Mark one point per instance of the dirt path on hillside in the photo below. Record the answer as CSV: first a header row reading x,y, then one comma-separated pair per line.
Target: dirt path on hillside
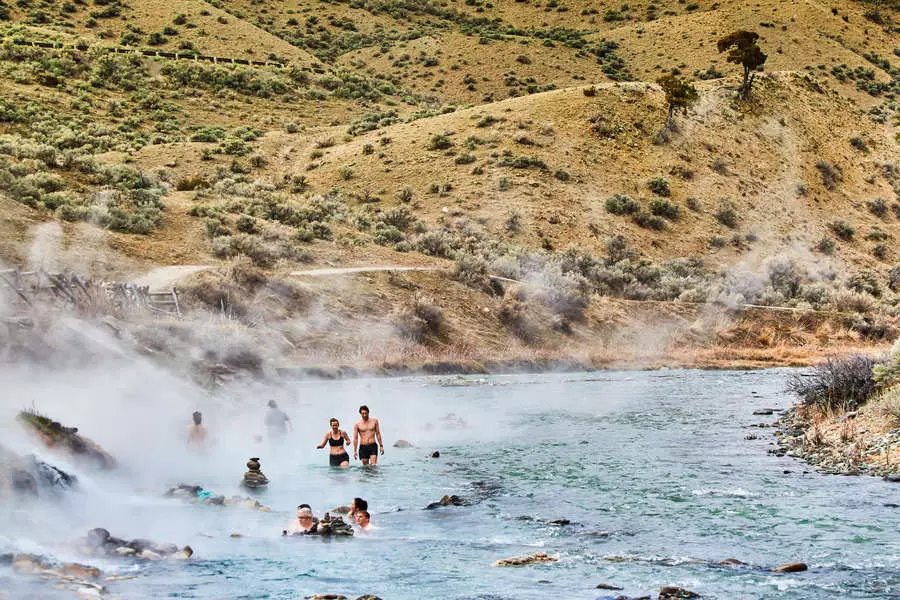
x,y
352,270
163,278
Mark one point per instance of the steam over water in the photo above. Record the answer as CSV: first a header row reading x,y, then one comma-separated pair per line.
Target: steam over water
x,y
652,469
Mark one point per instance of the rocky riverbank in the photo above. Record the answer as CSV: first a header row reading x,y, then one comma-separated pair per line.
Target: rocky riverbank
x,y
860,442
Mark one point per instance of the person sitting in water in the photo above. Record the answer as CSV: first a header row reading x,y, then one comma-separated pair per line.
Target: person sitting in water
x,y
277,422
362,519
304,523
356,505
197,432
335,439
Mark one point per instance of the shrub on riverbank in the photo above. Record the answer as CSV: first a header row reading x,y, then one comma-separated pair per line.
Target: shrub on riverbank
x,y
838,384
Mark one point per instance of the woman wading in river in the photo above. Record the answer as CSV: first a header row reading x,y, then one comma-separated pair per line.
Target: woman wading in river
x,y
335,440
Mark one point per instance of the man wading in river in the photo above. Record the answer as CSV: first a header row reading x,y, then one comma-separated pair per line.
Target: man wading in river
x,y
366,431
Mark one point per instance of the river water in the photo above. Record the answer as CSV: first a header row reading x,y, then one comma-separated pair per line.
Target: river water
x,y
652,469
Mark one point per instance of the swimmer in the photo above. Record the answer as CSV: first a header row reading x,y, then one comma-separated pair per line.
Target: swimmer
x,y
197,432
304,523
335,439
362,519
277,422
366,431
356,506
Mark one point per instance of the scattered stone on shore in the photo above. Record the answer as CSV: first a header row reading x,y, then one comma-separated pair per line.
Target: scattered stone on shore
x,y
403,444
671,592
99,542
58,437
254,478
195,493
520,561
80,578
448,500
794,567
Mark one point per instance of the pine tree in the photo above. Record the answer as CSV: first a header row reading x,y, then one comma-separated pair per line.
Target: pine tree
x,y
743,50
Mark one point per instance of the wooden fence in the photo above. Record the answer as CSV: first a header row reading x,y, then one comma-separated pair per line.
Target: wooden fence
x,y
27,289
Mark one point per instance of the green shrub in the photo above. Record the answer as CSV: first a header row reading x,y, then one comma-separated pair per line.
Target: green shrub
x,y
659,186
664,208
727,215
439,142
842,229
647,221
877,207
247,224
620,204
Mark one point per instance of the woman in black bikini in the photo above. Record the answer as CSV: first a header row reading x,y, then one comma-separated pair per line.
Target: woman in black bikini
x,y
335,440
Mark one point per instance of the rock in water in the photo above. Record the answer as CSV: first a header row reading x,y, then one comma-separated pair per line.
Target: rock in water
x,y
52,477
333,526
59,437
520,561
254,478
892,477
403,444
794,567
670,592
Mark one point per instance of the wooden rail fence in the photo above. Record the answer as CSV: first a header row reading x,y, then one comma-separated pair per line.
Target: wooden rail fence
x,y
27,289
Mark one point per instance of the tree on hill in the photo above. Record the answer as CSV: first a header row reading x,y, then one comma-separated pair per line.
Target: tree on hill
x,y
680,94
744,51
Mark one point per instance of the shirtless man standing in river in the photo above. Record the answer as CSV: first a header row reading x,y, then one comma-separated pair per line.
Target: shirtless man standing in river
x,y
366,431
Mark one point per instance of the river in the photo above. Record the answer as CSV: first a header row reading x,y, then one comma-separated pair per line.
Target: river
x,y
653,471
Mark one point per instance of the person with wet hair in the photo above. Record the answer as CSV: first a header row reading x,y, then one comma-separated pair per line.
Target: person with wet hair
x,y
304,523
335,439
277,421
365,432
362,520
197,432
357,505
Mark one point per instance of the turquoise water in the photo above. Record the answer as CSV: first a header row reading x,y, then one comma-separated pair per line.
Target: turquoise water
x,y
652,469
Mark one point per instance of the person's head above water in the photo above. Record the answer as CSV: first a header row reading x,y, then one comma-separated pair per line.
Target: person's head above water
x,y
304,506
272,404
198,417
334,423
362,518
359,504
364,412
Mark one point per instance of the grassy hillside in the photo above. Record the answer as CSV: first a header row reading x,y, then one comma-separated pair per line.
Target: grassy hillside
x,y
518,146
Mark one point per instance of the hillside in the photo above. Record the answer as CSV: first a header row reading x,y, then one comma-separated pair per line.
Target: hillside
x,y
518,148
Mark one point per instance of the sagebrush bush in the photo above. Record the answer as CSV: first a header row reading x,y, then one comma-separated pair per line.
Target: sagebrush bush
x,y
842,229
420,319
620,204
659,186
664,208
727,215
837,384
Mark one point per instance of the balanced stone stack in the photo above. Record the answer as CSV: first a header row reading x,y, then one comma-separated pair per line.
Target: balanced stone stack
x,y
254,478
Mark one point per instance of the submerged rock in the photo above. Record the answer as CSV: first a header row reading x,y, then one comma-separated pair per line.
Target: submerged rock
x,y
99,542
196,493
403,444
671,592
448,500
58,437
520,561
794,567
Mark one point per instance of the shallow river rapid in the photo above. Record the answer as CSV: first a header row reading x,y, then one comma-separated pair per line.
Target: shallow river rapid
x,y
652,469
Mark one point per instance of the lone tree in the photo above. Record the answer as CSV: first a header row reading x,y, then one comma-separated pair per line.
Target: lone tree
x,y
680,94
743,50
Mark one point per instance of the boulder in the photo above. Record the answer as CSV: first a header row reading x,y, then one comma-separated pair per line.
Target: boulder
x,y
326,597
520,561
606,586
435,454
764,411
794,567
368,597
58,437
254,478
333,526
892,477
671,592
341,510
99,542
448,500
403,444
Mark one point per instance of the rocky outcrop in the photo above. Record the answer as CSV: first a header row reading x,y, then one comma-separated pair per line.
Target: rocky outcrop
x,y
195,493
670,592
58,437
29,477
254,478
99,542
520,561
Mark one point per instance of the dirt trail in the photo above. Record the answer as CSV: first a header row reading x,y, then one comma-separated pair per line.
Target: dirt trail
x,y
163,278
352,270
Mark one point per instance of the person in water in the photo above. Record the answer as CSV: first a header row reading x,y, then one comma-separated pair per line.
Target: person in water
x,y
197,433
365,433
277,422
362,519
335,439
304,523
357,505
